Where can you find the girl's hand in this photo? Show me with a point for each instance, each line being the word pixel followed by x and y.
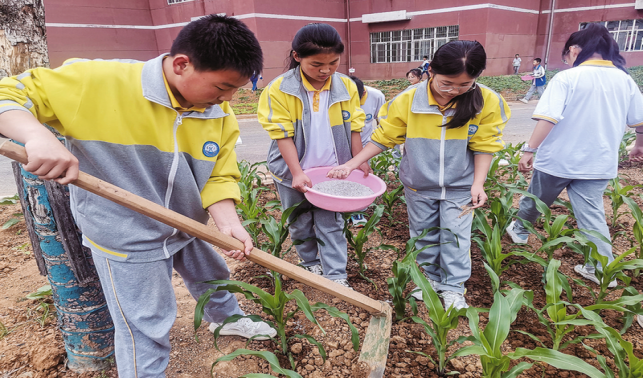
pixel 238 232
pixel 342 171
pixel 478 196
pixel 301 183
pixel 366 168
pixel 526 163
pixel 636 154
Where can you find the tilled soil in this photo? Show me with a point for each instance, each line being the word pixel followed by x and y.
pixel 30 345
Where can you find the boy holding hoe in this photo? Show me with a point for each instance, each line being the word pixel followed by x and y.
pixel 162 129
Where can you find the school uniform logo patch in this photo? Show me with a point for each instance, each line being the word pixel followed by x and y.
pixel 472 129
pixel 369 117
pixel 210 149
pixel 346 115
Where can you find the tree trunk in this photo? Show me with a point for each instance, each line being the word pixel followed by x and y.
pixel 83 317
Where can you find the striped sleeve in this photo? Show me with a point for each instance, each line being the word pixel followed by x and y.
pixel 273 115
pixel 551 106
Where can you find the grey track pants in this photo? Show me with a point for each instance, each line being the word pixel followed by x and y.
pixel 141 301
pixel 450 263
pixel 534 88
pixel 324 225
pixel 586 197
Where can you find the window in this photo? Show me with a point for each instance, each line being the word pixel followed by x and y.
pixel 627 33
pixel 177 1
pixel 410 45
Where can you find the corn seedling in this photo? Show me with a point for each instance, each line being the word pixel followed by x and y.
pixel 627 363
pixel 608 272
pixel 390 199
pixel 386 163
pixel 15 219
pixel 441 320
pixel 275 306
pixel 490 243
pixel 250 173
pixel 402 276
pixel 617 193
pixel 488 342
pixel 558 322
pixel 276 231
pixel 637 228
pixel 623 153
pixel 10 200
pixel 359 240
pixel 268 356
pixel 251 211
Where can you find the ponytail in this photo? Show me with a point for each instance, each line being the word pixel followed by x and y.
pixel 453 59
pixel 595 39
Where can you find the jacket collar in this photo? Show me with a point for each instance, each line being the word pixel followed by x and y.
pixel 154 90
pixel 421 104
pixel 292 85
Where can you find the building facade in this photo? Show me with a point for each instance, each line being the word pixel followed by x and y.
pixel 383 38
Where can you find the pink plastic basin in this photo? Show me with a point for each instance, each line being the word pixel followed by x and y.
pixel 343 204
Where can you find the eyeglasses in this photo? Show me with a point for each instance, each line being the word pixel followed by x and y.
pixel 462 89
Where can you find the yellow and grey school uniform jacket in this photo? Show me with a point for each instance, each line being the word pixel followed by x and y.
pixel 284 111
pixel 118 120
pixel 437 161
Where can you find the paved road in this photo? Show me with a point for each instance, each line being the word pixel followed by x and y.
pixel 256 141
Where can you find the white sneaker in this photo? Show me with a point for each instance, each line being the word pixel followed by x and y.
pixel 518 239
pixel 524 101
pixel 582 270
pixel 315 269
pixel 639 319
pixel 358 220
pixel 452 298
pixel 245 327
pixel 417 293
pixel 343 282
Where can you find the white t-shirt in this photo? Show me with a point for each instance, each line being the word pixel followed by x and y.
pixel 590 106
pixel 320 146
pixel 371 106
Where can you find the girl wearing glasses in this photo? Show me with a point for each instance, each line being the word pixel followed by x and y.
pixel 581 120
pixel 451 126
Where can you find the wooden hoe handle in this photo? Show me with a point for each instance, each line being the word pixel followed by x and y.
pixel 201 231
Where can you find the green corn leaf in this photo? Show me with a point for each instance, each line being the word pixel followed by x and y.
pixel 305 307
pixel 558 360
pixel 516 370
pixel 10 222
pixel 199 310
pixel 312 340
pixel 553 290
pixel 470 350
pixel 268 356
pixel 334 312
pixel 497 329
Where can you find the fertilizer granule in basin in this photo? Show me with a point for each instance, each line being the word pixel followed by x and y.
pixel 343 188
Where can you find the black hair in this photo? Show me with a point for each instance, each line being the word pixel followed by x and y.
pixel 359 84
pixel 219 43
pixel 416 72
pixel 452 59
pixel 595 38
pixel 517 55
pixel 315 38
pixel 538 60
pixel 425 57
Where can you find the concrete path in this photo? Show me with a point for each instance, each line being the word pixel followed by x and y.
pixel 256 141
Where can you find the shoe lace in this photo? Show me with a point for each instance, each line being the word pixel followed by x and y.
pixel 343 282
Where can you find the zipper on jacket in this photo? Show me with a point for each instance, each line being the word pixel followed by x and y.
pixel 442 143
pixel 172 176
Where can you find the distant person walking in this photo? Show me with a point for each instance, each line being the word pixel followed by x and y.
pixel 516 64
pixel 254 78
pixel 425 68
pixel 538 84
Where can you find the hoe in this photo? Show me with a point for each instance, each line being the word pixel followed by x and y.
pixel 376 341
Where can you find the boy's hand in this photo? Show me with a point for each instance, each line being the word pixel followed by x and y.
pixel 239 233
pixel 478 196
pixel 526 163
pixel 50 160
pixel 301 182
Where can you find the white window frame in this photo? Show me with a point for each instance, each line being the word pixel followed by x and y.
pixel 628 34
pixel 410 45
